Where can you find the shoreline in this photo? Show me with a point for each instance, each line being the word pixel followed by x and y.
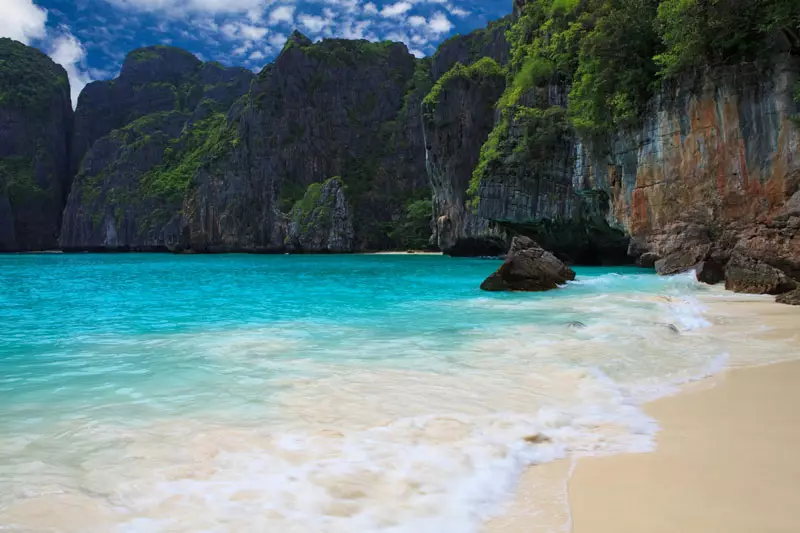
pixel 724 458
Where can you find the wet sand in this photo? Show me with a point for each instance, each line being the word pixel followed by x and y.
pixel 726 458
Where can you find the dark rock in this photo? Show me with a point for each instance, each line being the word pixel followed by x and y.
pixel 789 298
pixel 710 271
pixel 322 221
pixel 459 114
pixel 682 260
pixel 479 247
pixel 35 126
pixel 334 108
pixel 672 327
pixel 528 267
pixel 749 275
pixel 140 139
pixel 647 260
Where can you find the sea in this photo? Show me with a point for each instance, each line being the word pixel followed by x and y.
pixel 325 393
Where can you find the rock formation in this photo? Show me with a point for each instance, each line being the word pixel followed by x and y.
pixel 139 139
pixel 459 115
pixel 322 221
pixel 528 267
pixel 334 108
pixel 35 127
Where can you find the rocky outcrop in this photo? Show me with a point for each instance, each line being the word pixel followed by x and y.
pixel 154 79
pixel 747 274
pixel 140 139
pixel 712 170
pixel 334 108
pixel 789 298
pixel 459 114
pixel 467 49
pixel 35 127
pixel 528 267
pixel 322 220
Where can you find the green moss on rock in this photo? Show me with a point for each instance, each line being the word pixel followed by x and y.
pixel 28 78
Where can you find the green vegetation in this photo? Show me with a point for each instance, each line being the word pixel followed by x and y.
pixel 483 70
pixel 20 183
pixel 715 32
pixel 613 55
pixel 413 229
pixel 310 209
pixel 151 53
pixel 29 79
pixel 200 144
pixel 344 51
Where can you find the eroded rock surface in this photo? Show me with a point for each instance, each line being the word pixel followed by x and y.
pixel 528 267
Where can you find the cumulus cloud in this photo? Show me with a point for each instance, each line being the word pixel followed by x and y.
pixel 277 40
pixel 241 31
pixel 416 21
pixel 282 14
pixel 397 9
pixel 22 20
pixel 67 51
pixel 313 23
pixel 439 23
pixel 180 7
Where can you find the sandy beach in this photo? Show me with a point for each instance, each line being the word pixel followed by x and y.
pixel 725 460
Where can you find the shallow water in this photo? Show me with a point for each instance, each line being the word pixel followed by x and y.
pixel 323 393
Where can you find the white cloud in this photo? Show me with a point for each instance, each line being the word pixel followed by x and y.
pixel 23 21
pixel 282 14
pixel 370 9
pixel 397 9
pixel 255 56
pixel 439 23
pixel 313 23
pixel 277 40
pixel 179 7
pixel 416 21
pixel 68 52
pixel 247 32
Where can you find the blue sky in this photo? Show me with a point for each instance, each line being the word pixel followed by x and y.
pixel 91 37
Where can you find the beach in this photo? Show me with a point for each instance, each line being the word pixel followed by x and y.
pixel 725 458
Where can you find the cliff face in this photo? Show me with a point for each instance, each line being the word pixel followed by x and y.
pixel 334 108
pixel 459 115
pixel 139 140
pixel 714 171
pixel 35 126
pixel 322 220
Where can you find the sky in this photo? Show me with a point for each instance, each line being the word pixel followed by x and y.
pixel 90 38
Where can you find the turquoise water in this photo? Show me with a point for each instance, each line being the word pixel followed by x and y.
pixel 316 393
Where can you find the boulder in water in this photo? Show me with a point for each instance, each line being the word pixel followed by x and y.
pixel 528 267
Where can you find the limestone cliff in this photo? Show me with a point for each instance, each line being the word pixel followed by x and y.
pixel 459 115
pixel 139 140
pixel 35 126
pixel 322 220
pixel 333 108
pixel 713 170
